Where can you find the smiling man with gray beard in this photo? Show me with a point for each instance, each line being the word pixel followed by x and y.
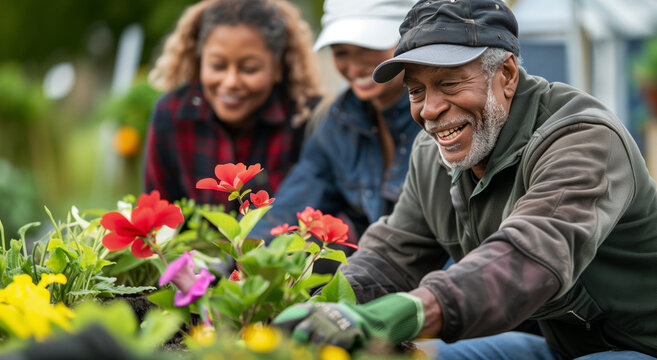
pixel 537 191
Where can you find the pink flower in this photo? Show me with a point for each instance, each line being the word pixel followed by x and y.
pixel 234 276
pixel 191 286
pixel 261 198
pixel 150 215
pixel 332 230
pixel 309 215
pixel 231 177
pixel 282 229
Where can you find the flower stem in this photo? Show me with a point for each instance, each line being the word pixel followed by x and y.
pixel 307 267
pixel 148 241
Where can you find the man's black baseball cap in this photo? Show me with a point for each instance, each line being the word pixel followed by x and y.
pixel 451 33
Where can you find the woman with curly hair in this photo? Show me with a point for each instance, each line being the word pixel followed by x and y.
pixel 241 81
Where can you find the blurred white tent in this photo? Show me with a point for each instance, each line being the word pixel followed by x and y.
pixel 586 43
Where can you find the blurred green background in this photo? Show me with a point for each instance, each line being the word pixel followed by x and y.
pixel 74 106
pixel 74 103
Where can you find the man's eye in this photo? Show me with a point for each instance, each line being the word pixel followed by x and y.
pixel 414 91
pixel 448 84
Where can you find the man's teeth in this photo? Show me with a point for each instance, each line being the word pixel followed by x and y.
pixel 450 133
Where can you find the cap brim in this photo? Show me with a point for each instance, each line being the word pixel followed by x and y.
pixel 377 34
pixel 433 55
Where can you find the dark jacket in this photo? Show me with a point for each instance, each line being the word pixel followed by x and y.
pixel 561 228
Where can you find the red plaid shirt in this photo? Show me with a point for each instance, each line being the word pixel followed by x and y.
pixel 186 140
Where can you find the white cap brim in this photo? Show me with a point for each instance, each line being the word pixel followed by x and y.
pixel 371 33
pixel 434 55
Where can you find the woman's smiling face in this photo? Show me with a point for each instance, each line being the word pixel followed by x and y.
pixel 356 64
pixel 238 72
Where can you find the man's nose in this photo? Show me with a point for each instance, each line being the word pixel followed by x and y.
pixel 434 105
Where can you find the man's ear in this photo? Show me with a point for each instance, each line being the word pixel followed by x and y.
pixel 510 76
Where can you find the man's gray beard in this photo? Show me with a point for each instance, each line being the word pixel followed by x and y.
pixel 484 134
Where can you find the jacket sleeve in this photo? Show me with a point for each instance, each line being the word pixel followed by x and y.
pixel 396 251
pixel 309 183
pixel 550 237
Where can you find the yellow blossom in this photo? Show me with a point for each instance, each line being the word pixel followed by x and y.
pixel 330 352
pixel 25 308
pixel 203 335
pixel 262 339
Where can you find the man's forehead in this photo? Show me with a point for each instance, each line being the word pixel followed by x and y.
pixel 413 70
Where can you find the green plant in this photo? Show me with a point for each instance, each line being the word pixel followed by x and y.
pixel 645 65
pixel 72 248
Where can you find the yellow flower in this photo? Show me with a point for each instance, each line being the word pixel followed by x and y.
pixel 262 339
pixel 25 308
pixel 330 352
pixel 203 335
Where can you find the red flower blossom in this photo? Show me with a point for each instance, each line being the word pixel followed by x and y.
pixel 261 198
pixel 309 215
pixel 234 276
pixel 231 177
pixel 150 214
pixel 244 207
pixel 330 229
pixel 282 229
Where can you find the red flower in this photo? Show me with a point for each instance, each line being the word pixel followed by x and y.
pixel 309 215
pixel 330 229
pixel 150 214
pixel 261 198
pixel 235 276
pixel 231 177
pixel 245 207
pixel 282 229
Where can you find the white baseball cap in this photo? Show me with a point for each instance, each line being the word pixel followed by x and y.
pixel 373 24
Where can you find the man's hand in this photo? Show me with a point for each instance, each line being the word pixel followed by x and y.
pixel 393 318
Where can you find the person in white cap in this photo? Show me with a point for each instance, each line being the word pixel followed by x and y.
pixel 356 161
pixel 536 189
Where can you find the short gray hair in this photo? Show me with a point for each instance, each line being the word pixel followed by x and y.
pixel 491 60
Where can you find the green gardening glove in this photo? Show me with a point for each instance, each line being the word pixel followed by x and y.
pixel 393 318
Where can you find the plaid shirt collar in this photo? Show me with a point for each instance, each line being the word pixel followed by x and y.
pixel 196 108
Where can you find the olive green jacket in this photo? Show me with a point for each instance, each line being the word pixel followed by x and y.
pixel 561 228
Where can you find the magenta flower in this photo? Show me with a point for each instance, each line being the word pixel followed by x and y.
pixel 190 285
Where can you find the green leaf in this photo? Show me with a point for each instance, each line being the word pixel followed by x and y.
pixel 226 247
pixel 313 248
pixel 339 289
pixel 124 264
pixel 88 258
pixel 158 326
pixel 117 317
pixel 100 264
pixel 337 255
pixel 253 287
pixel 313 281
pixel 105 288
pixel 250 219
pixel 250 244
pixel 23 229
pixel 233 195
pixel 57 261
pixel 226 224
pixel 297 243
pixel 162 298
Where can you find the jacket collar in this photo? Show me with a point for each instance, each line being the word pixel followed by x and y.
pixel 194 106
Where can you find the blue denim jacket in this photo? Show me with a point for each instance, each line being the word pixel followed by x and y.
pixel 341 168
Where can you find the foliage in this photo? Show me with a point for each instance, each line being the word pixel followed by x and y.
pixel 645 67
pixel 71 248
